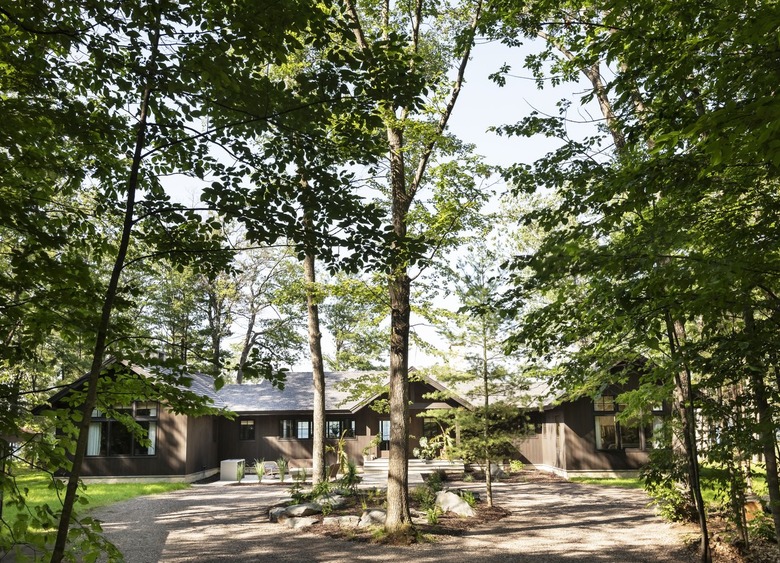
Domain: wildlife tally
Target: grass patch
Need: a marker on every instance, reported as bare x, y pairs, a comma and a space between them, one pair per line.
713, 482
621, 482
40, 492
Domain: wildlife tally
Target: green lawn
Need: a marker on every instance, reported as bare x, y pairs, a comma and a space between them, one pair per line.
622, 482
711, 483
40, 493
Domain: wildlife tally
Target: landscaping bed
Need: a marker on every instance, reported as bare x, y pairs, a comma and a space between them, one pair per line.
440, 508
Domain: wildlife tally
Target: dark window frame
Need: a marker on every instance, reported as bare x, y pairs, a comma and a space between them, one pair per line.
430, 427
116, 440
606, 408
289, 428
244, 433
335, 427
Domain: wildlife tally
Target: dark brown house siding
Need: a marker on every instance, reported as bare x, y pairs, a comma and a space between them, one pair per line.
168, 460
202, 446
567, 443
267, 443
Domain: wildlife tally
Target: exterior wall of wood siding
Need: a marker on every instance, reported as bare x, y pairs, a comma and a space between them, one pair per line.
202, 445
168, 460
571, 446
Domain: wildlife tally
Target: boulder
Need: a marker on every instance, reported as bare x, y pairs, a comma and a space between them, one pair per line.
341, 521
335, 501
496, 472
299, 523
305, 509
277, 513
372, 517
450, 502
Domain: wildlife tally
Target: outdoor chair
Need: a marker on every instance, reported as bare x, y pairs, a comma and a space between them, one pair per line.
271, 468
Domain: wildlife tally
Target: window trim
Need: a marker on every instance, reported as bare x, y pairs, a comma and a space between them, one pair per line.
602, 410
343, 424
293, 424
246, 423
426, 433
102, 427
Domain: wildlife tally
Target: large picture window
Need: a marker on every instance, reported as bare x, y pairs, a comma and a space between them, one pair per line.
628, 433
295, 428
337, 428
110, 437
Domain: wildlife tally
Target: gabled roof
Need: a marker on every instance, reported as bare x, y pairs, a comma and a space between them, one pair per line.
298, 395
263, 398
199, 383
540, 395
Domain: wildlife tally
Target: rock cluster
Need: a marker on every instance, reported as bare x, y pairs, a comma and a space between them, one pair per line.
300, 516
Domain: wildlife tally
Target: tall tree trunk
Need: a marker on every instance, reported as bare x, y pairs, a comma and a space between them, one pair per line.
486, 428
403, 192
215, 322
398, 516
767, 427
247, 347
90, 401
319, 469
683, 403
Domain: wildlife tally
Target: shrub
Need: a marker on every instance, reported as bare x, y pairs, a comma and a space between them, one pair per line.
516, 466
425, 496
436, 480
433, 514
468, 497
321, 489
282, 464
663, 479
349, 477
761, 526
260, 469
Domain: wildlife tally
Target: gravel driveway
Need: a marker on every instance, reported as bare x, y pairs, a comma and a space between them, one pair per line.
551, 521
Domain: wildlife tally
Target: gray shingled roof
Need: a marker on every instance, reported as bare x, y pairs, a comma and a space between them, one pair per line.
200, 383
297, 395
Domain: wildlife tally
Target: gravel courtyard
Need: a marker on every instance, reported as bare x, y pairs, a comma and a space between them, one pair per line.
551, 521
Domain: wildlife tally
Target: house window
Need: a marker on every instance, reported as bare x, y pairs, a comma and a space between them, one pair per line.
292, 428
303, 429
110, 437
246, 429
337, 428
286, 429
430, 428
629, 433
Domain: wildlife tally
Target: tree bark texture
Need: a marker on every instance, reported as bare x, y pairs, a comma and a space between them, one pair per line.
486, 429
683, 403
398, 515
90, 401
318, 372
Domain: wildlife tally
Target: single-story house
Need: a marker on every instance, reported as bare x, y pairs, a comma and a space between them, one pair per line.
259, 422
274, 423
